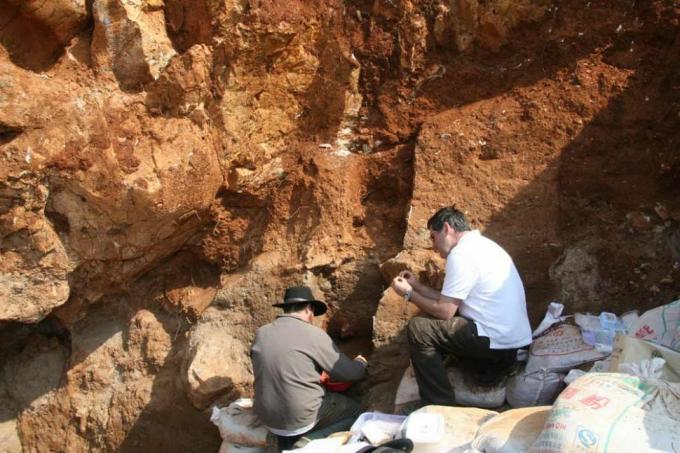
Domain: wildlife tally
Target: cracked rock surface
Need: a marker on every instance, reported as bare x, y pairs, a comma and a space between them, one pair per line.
168, 167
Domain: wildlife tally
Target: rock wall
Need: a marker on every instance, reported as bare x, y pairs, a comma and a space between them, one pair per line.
167, 168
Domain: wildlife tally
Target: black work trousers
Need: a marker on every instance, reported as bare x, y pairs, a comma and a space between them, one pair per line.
431, 339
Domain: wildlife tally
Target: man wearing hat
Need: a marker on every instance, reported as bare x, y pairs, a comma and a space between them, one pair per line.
288, 358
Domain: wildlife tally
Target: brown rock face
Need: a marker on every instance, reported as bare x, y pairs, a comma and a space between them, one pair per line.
34, 260
218, 360
34, 33
130, 40
64, 18
167, 168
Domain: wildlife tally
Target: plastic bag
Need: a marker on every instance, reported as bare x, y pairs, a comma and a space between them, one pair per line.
552, 316
600, 331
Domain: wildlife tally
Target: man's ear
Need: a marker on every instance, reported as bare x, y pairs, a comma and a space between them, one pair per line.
447, 228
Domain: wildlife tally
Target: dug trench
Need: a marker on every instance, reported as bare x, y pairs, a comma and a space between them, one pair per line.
168, 168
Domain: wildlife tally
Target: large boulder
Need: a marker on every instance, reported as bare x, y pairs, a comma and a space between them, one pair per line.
34, 262
120, 389
130, 40
35, 372
116, 200
577, 273
218, 360
9, 434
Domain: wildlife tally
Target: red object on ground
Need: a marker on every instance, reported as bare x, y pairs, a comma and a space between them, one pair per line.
333, 386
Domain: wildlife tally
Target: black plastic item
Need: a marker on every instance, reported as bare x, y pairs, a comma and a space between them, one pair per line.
391, 446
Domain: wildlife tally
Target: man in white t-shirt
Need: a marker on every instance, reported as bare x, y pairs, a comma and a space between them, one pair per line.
480, 315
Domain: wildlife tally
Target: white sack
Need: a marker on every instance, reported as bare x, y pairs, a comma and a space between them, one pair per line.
460, 426
484, 397
475, 396
408, 388
631, 351
660, 325
613, 412
552, 316
230, 447
533, 389
512, 431
238, 424
560, 349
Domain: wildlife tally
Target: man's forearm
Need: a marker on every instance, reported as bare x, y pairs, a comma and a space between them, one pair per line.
347, 369
434, 307
426, 291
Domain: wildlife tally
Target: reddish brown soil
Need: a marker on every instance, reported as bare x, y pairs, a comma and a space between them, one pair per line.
566, 135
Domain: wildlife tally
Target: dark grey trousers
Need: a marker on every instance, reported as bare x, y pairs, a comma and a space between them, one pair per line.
337, 413
431, 339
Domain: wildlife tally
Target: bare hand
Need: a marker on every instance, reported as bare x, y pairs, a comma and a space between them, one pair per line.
361, 359
409, 277
401, 286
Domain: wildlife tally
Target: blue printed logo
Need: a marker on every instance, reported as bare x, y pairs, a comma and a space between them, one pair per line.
586, 437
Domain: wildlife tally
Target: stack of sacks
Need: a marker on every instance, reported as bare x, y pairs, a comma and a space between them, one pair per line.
240, 429
559, 349
614, 412
660, 326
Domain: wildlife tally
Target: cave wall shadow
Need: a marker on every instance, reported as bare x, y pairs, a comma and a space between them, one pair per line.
623, 162
30, 44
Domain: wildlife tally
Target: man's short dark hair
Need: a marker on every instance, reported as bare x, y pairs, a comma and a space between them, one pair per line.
294, 308
455, 218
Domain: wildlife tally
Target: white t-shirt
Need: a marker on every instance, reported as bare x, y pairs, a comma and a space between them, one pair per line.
481, 274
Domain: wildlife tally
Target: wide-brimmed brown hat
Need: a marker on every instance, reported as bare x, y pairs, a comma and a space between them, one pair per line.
298, 294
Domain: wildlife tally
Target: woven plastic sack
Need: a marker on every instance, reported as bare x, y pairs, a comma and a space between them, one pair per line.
230, 447
513, 431
560, 349
660, 325
460, 426
533, 389
611, 412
